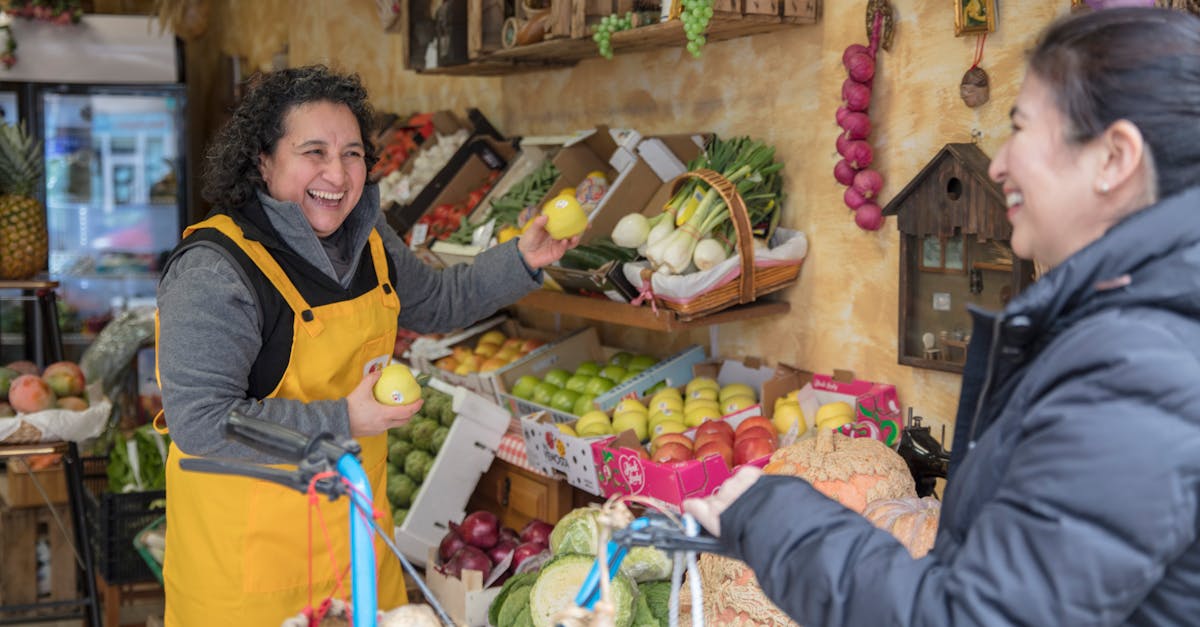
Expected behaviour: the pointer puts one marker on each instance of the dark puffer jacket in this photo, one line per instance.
(1072, 498)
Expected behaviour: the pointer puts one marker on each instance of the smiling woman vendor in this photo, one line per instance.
(281, 305)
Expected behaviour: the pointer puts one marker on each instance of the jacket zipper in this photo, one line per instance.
(987, 381)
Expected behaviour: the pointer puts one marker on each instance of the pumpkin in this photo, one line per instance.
(852, 471)
(913, 521)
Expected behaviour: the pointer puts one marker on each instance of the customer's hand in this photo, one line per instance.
(370, 417)
(538, 248)
(707, 511)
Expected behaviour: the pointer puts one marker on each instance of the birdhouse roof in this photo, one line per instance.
(952, 193)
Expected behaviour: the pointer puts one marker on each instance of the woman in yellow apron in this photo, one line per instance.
(283, 305)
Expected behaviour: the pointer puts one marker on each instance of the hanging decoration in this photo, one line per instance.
(974, 86)
(862, 184)
(61, 12)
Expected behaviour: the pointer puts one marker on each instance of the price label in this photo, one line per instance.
(419, 233)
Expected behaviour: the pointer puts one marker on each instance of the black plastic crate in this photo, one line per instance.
(113, 520)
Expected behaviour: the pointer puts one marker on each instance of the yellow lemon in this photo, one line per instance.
(397, 386)
(632, 420)
(736, 403)
(566, 429)
(566, 217)
(596, 429)
(701, 383)
(629, 404)
(696, 416)
(667, 426)
(736, 389)
(590, 418)
(787, 414)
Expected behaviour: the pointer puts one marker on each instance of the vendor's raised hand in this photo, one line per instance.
(370, 417)
(540, 249)
(707, 511)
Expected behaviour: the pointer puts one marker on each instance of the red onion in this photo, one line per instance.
(856, 95)
(508, 533)
(501, 551)
(451, 543)
(468, 558)
(537, 531)
(852, 50)
(857, 125)
(861, 66)
(480, 529)
(868, 183)
(842, 143)
(526, 550)
(869, 216)
(853, 199)
(842, 111)
(843, 172)
(858, 155)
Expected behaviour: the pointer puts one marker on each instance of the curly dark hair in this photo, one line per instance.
(231, 175)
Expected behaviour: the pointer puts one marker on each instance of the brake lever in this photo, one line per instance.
(664, 534)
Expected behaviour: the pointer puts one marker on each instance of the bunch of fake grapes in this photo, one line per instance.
(695, 17)
(610, 24)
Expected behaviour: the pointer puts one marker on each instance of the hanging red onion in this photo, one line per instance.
(451, 543)
(843, 172)
(852, 50)
(869, 216)
(480, 529)
(842, 143)
(868, 183)
(856, 95)
(858, 155)
(861, 67)
(537, 531)
(842, 111)
(857, 125)
(853, 199)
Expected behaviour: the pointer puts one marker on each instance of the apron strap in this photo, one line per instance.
(379, 258)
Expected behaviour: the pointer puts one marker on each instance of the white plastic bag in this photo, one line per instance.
(53, 425)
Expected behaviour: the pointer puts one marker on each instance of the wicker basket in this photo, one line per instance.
(751, 281)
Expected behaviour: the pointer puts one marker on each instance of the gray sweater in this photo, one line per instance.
(210, 321)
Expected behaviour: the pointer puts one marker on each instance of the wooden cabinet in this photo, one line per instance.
(518, 495)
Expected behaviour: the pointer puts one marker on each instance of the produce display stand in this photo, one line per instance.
(644, 317)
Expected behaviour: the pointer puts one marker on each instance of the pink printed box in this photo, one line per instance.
(875, 404)
(622, 470)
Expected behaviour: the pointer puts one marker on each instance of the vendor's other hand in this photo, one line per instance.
(538, 248)
(707, 511)
(370, 417)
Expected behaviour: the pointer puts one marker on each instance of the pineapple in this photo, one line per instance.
(24, 242)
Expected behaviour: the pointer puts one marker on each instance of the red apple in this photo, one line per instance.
(716, 447)
(672, 452)
(705, 438)
(750, 449)
(530, 344)
(677, 438)
(755, 432)
(638, 450)
(715, 426)
(755, 421)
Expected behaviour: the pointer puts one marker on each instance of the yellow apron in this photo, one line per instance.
(239, 547)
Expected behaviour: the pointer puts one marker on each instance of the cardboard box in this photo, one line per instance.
(423, 355)
(769, 382)
(584, 345)
(621, 470)
(474, 163)
(464, 458)
(465, 599)
(556, 454)
(875, 404)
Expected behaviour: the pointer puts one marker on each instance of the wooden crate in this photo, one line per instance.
(727, 8)
(761, 7)
(19, 531)
(18, 490)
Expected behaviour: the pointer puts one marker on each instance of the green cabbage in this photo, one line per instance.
(658, 599)
(559, 582)
(576, 532)
(646, 563)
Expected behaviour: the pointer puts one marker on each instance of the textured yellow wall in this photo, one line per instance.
(783, 87)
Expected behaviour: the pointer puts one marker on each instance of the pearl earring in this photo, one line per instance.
(1103, 187)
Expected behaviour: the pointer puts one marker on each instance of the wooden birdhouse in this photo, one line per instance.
(954, 252)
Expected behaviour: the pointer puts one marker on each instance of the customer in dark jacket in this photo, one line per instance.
(1075, 485)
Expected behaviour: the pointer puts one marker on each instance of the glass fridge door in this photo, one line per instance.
(114, 193)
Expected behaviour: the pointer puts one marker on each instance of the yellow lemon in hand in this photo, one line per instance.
(397, 386)
(566, 217)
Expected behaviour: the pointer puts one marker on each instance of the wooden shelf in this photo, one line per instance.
(565, 52)
(643, 317)
(998, 267)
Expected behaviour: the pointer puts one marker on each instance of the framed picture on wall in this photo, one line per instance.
(974, 16)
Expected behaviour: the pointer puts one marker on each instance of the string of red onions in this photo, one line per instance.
(862, 184)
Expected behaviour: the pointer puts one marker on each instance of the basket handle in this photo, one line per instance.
(741, 224)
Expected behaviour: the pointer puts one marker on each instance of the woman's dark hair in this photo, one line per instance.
(231, 176)
(1135, 64)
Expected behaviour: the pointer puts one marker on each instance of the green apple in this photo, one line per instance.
(642, 362)
(620, 359)
(577, 382)
(584, 404)
(543, 392)
(589, 368)
(598, 386)
(557, 376)
(523, 388)
(613, 373)
(564, 400)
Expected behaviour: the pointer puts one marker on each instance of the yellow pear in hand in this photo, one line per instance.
(397, 386)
